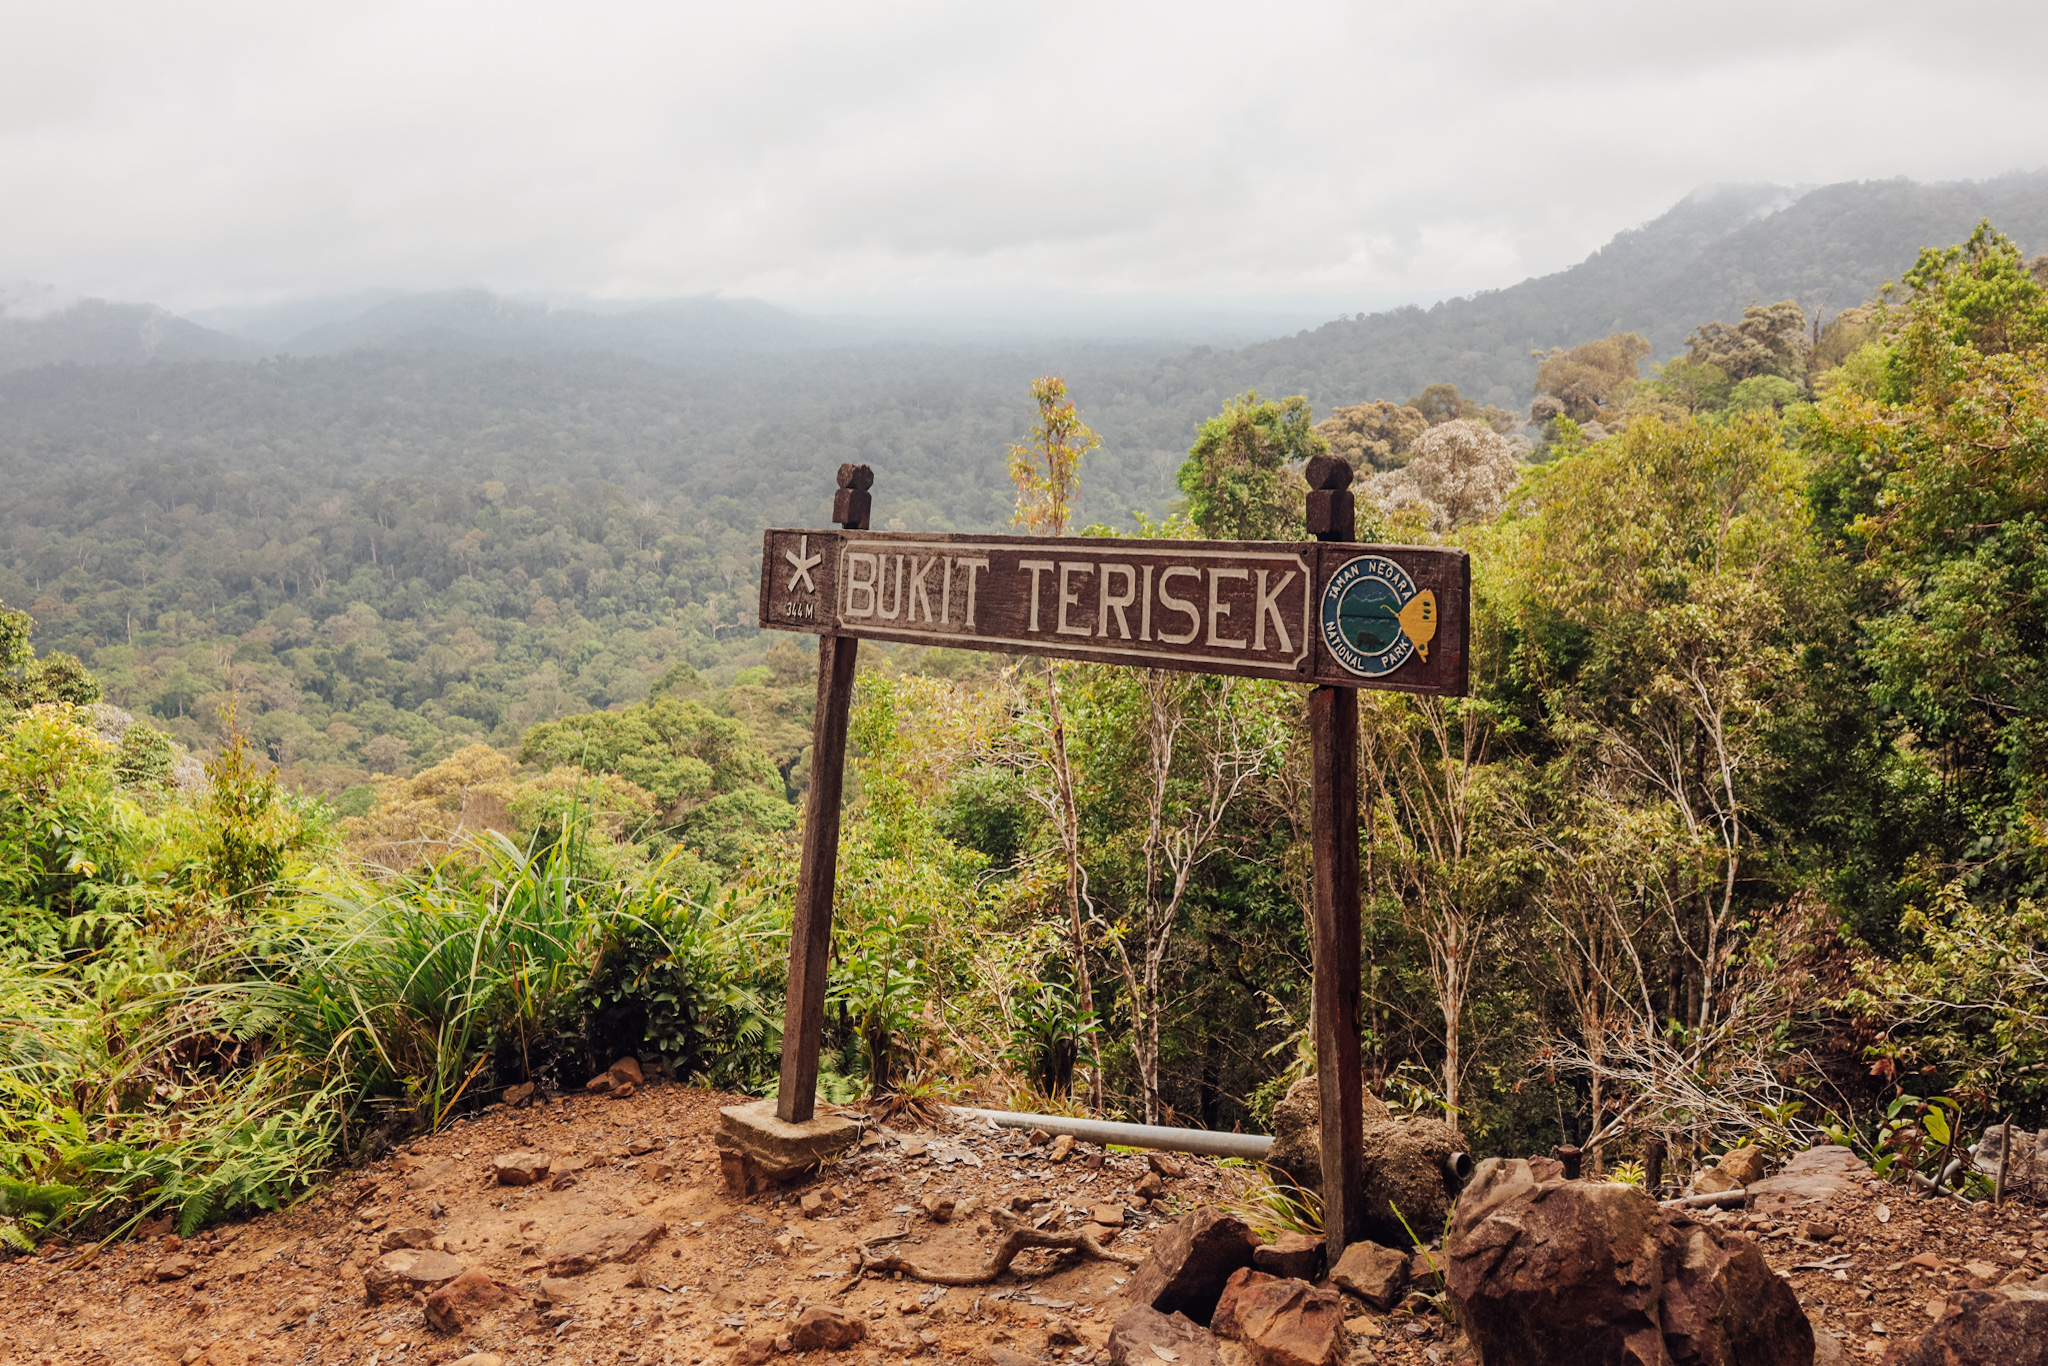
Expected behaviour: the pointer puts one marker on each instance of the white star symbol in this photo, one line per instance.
(805, 562)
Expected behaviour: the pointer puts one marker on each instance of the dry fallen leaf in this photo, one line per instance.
(1164, 1354)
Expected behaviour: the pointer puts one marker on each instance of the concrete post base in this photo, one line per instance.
(756, 1150)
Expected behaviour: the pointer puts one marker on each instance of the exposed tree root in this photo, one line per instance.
(1018, 1238)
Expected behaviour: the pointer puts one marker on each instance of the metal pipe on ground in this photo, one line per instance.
(1202, 1142)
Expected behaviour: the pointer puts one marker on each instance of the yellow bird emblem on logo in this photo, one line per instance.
(1418, 620)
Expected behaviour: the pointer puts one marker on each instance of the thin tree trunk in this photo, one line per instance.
(1070, 839)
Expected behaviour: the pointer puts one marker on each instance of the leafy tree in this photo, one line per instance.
(1583, 379)
(1373, 435)
(1458, 472)
(1770, 340)
(1443, 403)
(1047, 472)
(26, 681)
(1763, 393)
(1240, 476)
(1935, 467)
(1695, 386)
(711, 783)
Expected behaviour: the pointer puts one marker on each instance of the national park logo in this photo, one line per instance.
(1373, 619)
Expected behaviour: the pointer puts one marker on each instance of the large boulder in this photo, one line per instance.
(2007, 1326)
(1297, 1151)
(1557, 1273)
(1408, 1184)
(1724, 1306)
(1828, 1174)
(1189, 1262)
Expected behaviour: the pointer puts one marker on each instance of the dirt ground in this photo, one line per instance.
(726, 1277)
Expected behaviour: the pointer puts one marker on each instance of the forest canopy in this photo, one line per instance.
(400, 791)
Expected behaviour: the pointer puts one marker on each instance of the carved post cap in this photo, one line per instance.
(1327, 472)
(852, 504)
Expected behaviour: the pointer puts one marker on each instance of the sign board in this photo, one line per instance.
(1344, 615)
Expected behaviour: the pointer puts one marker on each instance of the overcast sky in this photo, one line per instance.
(199, 153)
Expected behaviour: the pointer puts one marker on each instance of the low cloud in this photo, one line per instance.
(219, 153)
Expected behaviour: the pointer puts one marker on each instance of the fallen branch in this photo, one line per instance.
(1716, 1200)
(1017, 1239)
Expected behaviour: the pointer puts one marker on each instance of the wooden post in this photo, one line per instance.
(1333, 745)
(810, 930)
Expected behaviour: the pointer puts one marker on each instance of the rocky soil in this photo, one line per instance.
(628, 1250)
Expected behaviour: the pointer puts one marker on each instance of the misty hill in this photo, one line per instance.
(1715, 251)
(96, 332)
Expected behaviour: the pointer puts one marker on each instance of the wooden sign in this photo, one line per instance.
(1342, 615)
(1339, 615)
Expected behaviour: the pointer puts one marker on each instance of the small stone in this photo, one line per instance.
(1062, 1148)
(1094, 1161)
(611, 1240)
(174, 1268)
(1037, 1138)
(1061, 1332)
(1926, 1261)
(520, 1168)
(404, 1273)
(458, 1304)
(557, 1290)
(192, 1354)
(1293, 1255)
(967, 1208)
(173, 1243)
(822, 1328)
(812, 1204)
(1813, 1231)
(411, 1235)
(939, 1208)
(1101, 1233)
(1109, 1216)
(1142, 1336)
(1150, 1186)
(1378, 1275)
(621, 1091)
(516, 1096)
(1165, 1165)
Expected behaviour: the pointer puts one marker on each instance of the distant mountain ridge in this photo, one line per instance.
(96, 332)
(1713, 252)
(1716, 250)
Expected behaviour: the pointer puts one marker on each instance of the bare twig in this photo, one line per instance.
(1018, 1238)
(2004, 1162)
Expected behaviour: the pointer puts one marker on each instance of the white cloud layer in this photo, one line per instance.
(221, 151)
